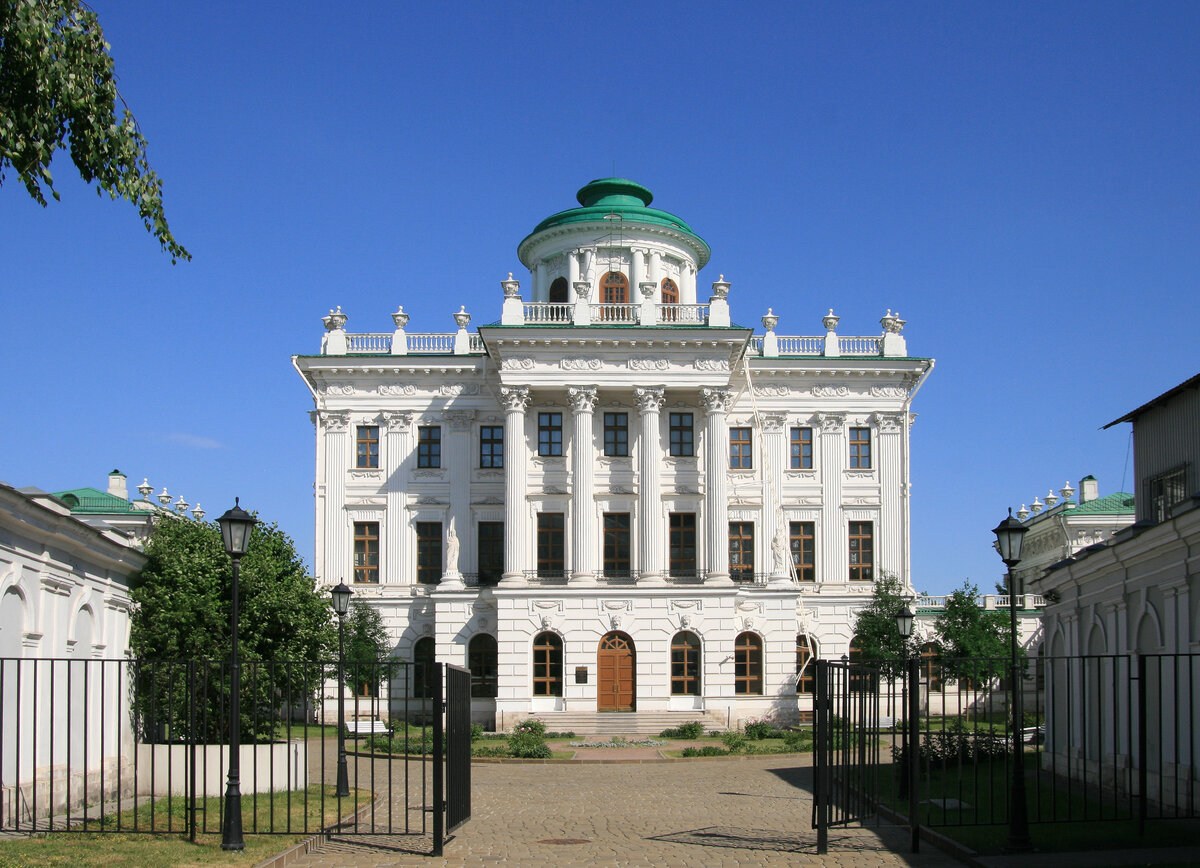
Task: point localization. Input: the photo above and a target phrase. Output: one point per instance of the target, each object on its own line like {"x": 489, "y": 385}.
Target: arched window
{"x": 558, "y": 291}
{"x": 423, "y": 669}
{"x": 685, "y": 664}
{"x": 931, "y": 666}
{"x": 806, "y": 672}
{"x": 547, "y": 665}
{"x": 747, "y": 665}
{"x": 481, "y": 660}
{"x": 670, "y": 292}
{"x": 614, "y": 288}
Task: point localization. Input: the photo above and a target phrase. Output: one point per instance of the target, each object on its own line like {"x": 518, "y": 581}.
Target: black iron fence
{"x": 1102, "y": 738}
{"x": 142, "y": 746}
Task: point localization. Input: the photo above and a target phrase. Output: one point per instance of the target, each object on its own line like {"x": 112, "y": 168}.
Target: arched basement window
{"x": 481, "y": 660}
{"x": 747, "y": 665}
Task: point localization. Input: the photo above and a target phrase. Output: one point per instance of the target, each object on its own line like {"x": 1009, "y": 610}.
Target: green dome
{"x": 614, "y": 199}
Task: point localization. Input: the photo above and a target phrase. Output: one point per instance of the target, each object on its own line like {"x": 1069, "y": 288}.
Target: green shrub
{"x": 528, "y": 740}
{"x": 735, "y": 741}
{"x": 489, "y": 750}
{"x": 476, "y": 731}
{"x": 707, "y": 750}
{"x": 566, "y": 734}
{"x": 798, "y": 740}
{"x": 531, "y": 724}
{"x": 760, "y": 729}
{"x": 692, "y": 730}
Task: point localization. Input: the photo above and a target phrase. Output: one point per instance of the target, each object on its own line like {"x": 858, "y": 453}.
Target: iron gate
{"x": 136, "y": 746}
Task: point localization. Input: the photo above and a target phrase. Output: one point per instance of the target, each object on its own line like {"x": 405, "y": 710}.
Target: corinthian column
{"x": 650, "y": 525}
{"x": 583, "y": 525}
{"x": 516, "y": 459}
{"x": 716, "y": 497}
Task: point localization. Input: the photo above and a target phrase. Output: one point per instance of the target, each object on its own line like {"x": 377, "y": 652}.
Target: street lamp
{"x": 911, "y": 766}
{"x": 1009, "y": 535}
{"x": 236, "y": 525}
{"x": 341, "y": 604}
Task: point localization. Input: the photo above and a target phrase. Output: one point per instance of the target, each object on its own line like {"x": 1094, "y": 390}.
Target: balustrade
{"x": 428, "y": 342}
{"x": 858, "y": 346}
{"x": 369, "y": 344}
{"x": 546, "y": 313}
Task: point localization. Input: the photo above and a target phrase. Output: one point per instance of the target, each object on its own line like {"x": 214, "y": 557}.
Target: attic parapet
{"x": 339, "y": 342}
{"x": 889, "y": 345}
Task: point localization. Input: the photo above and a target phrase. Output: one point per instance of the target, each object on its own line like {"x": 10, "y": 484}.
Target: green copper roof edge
{"x": 633, "y": 214}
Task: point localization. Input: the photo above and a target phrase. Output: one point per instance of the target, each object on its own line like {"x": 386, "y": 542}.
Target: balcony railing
{"x": 985, "y": 601}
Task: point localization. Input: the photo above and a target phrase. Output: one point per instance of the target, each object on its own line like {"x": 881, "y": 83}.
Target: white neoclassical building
{"x": 615, "y": 497}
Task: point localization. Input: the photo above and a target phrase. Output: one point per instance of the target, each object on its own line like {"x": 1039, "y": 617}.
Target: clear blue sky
{"x": 1019, "y": 180}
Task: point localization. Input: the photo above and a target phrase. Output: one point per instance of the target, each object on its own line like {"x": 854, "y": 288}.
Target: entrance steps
{"x": 627, "y": 723}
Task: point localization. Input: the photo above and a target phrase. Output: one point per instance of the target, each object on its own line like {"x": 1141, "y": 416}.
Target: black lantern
{"x": 904, "y": 622}
{"x": 341, "y": 604}
{"x": 236, "y": 525}
{"x": 341, "y": 598}
{"x": 1009, "y": 535}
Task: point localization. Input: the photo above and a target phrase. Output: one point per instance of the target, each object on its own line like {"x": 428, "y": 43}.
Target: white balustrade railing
{"x": 545, "y": 312}
{"x": 682, "y": 314}
{"x": 427, "y": 342}
{"x": 858, "y": 346}
{"x": 756, "y": 342}
{"x": 476, "y": 344}
{"x": 369, "y": 343}
{"x": 615, "y": 313}
{"x": 985, "y": 601}
{"x": 801, "y": 345}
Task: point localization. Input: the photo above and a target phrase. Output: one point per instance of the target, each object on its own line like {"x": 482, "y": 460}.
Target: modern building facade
{"x": 614, "y": 498}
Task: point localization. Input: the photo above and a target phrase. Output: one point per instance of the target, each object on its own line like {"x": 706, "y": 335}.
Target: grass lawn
{"x": 171, "y": 850}
{"x": 306, "y": 730}
{"x": 755, "y": 746}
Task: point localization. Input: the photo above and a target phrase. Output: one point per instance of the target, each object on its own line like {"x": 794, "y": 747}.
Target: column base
{"x": 514, "y": 580}
{"x": 651, "y": 580}
{"x": 582, "y": 580}
{"x": 721, "y": 579}
{"x": 452, "y": 582}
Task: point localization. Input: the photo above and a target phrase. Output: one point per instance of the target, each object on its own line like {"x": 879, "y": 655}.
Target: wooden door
{"x": 615, "y": 686}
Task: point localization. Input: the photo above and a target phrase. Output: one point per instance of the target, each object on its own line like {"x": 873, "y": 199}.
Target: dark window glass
{"x": 482, "y": 661}
{"x": 366, "y": 552}
{"x": 490, "y": 563}
{"x": 685, "y": 664}
{"x": 550, "y": 544}
{"x": 803, "y": 545}
{"x": 616, "y": 434}
{"x": 550, "y": 434}
{"x": 366, "y": 446}
{"x": 860, "y": 448}
{"x": 491, "y": 446}
{"x": 747, "y": 665}
{"x": 429, "y": 552}
{"x": 741, "y": 551}
{"x": 862, "y": 551}
{"x": 802, "y": 449}
{"x": 547, "y": 665}
{"x": 616, "y": 543}
{"x": 931, "y": 666}
{"x": 739, "y": 449}
{"x": 429, "y": 446}
{"x": 682, "y": 543}
{"x": 423, "y": 668}
{"x": 558, "y": 291}
{"x": 806, "y": 681}
{"x": 681, "y": 437}
{"x": 670, "y": 292}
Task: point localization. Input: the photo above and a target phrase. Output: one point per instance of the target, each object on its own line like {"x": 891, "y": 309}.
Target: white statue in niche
{"x": 451, "y": 552}
{"x": 780, "y": 553}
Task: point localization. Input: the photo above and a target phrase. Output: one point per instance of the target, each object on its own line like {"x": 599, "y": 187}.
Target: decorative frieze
{"x": 648, "y": 364}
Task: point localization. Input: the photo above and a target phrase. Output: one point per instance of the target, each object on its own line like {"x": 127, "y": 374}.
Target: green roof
{"x": 1117, "y": 503}
{"x": 93, "y": 500}
{"x": 618, "y": 200}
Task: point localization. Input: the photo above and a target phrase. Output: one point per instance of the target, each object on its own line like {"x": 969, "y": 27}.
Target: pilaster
{"x": 335, "y": 426}
{"x": 516, "y": 512}
{"x": 459, "y": 515}
{"x": 890, "y": 536}
{"x": 650, "y": 521}
{"x": 397, "y": 449}
{"x": 835, "y": 559}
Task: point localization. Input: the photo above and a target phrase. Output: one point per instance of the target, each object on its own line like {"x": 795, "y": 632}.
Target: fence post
{"x": 821, "y": 772}
{"x": 912, "y": 751}
{"x": 1142, "y": 759}
{"x": 192, "y": 750}
{"x": 438, "y": 760}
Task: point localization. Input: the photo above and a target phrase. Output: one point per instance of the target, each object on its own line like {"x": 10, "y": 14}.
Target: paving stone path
{"x": 736, "y": 812}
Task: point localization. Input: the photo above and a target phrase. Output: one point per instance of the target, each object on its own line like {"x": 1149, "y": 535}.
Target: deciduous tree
{"x": 57, "y": 89}
{"x": 875, "y": 627}
{"x": 973, "y": 642}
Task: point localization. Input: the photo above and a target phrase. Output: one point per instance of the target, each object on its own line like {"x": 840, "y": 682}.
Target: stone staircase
{"x": 609, "y": 723}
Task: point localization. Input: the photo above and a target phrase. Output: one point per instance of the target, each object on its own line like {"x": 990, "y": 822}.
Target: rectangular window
{"x": 616, "y": 544}
{"x": 1164, "y": 491}
{"x": 860, "y": 448}
{"x": 429, "y": 552}
{"x": 803, "y": 545}
{"x": 429, "y": 446}
{"x": 685, "y": 665}
{"x": 801, "y": 449}
{"x": 862, "y": 551}
{"x": 616, "y": 434}
{"x": 491, "y": 446}
{"x": 366, "y": 446}
{"x": 681, "y": 436}
{"x": 366, "y": 552}
{"x": 551, "y": 552}
{"x": 550, "y": 434}
{"x": 682, "y": 544}
{"x": 490, "y": 559}
{"x": 739, "y": 449}
{"x": 741, "y": 551}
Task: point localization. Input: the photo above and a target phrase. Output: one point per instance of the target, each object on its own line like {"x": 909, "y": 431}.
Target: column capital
{"x": 582, "y": 398}
{"x": 397, "y": 420}
{"x": 514, "y": 398}
{"x": 650, "y": 398}
{"x": 831, "y": 422}
{"x": 773, "y": 422}
{"x": 716, "y": 400}
{"x": 335, "y": 420}
{"x": 890, "y": 423}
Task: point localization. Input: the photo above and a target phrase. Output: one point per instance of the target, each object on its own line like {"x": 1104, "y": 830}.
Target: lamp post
{"x": 911, "y": 766}
{"x": 236, "y": 525}
{"x": 341, "y": 604}
{"x": 1009, "y": 535}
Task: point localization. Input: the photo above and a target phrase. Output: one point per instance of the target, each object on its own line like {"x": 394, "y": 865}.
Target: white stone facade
{"x": 604, "y": 429}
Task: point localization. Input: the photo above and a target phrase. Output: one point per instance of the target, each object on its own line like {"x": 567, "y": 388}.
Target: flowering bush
{"x": 528, "y": 740}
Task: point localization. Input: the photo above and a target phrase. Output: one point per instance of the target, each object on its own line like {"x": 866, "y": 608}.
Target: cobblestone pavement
{"x": 747, "y": 812}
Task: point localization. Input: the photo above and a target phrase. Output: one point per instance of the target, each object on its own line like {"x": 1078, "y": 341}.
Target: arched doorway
{"x": 616, "y": 686}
